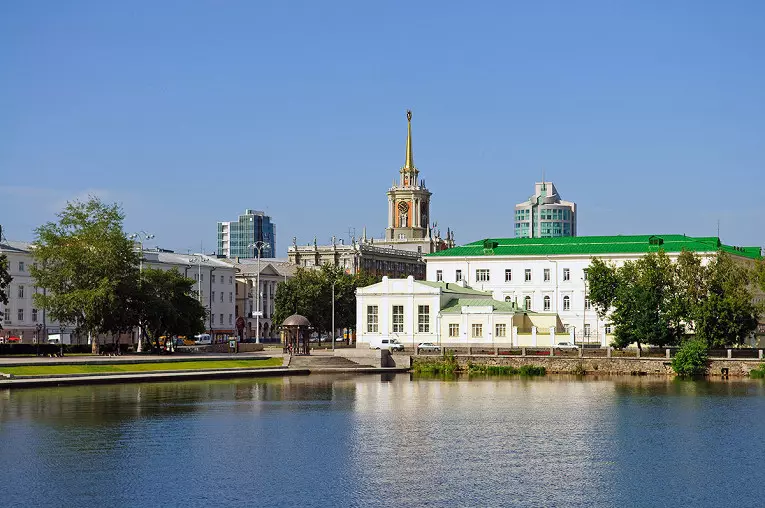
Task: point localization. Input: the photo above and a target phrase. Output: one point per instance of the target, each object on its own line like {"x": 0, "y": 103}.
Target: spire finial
{"x": 409, "y": 158}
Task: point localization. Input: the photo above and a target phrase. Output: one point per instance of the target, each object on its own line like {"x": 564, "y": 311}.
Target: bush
{"x": 691, "y": 359}
{"x": 532, "y": 370}
{"x": 758, "y": 373}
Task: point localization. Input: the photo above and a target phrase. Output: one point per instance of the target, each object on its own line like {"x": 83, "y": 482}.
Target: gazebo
{"x": 296, "y": 333}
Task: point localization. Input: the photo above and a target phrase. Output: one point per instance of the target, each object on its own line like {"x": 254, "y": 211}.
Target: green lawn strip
{"x": 51, "y": 370}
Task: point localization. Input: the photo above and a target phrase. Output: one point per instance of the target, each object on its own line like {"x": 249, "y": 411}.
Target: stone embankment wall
{"x": 618, "y": 365}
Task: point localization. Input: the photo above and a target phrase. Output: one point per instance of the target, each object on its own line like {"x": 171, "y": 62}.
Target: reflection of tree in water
{"x": 659, "y": 386}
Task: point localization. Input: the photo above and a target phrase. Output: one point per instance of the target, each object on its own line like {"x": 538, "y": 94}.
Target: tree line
{"x": 89, "y": 270}
{"x": 657, "y": 302}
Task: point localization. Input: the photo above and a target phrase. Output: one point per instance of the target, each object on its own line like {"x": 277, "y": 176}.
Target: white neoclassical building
{"x": 550, "y": 274}
{"x": 446, "y": 314}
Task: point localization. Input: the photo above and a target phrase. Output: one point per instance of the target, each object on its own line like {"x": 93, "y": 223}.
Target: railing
{"x": 650, "y": 353}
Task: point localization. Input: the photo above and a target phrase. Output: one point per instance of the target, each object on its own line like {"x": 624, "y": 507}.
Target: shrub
{"x": 691, "y": 359}
{"x": 758, "y": 373}
{"x": 532, "y": 370}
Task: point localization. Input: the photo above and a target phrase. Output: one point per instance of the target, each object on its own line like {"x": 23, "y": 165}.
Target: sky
{"x": 650, "y": 115}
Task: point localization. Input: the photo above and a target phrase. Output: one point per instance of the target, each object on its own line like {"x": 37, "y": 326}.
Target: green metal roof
{"x": 451, "y": 287}
{"x": 594, "y": 245}
{"x": 454, "y": 306}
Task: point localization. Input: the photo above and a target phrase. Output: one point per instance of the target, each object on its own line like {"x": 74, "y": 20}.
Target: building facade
{"x": 550, "y": 274}
{"x": 236, "y": 239}
{"x": 545, "y": 215}
{"x": 445, "y": 314}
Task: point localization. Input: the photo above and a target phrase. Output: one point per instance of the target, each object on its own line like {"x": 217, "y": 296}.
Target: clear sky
{"x": 649, "y": 114}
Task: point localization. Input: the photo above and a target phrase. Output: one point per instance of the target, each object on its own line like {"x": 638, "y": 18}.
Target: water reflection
{"x": 385, "y": 440}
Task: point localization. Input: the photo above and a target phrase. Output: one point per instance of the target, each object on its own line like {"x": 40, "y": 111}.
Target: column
{"x": 534, "y": 335}
{"x": 513, "y": 336}
{"x": 552, "y": 335}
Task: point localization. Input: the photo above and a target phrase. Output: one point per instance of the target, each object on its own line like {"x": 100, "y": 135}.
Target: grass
{"x": 124, "y": 368}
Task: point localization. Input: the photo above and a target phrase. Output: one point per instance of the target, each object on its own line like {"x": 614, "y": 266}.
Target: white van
{"x": 386, "y": 343}
{"x": 203, "y": 339}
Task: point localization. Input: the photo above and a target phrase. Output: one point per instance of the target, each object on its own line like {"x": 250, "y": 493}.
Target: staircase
{"x": 324, "y": 362}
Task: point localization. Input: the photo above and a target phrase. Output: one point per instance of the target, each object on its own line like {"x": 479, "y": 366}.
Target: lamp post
{"x": 333, "y": 315}
{"x": 38, "y": 329}
{"x": 258, "y": 246}
{"x": 584, "y": 312}
{"x": 141, "y": 236}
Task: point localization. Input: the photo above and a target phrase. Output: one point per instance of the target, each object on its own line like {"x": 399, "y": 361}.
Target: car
{"x": 203, "y": 339}
{"x": 428, "y": 346}
{"x": 566, "y": 345}
{"x": 390, "y": 344}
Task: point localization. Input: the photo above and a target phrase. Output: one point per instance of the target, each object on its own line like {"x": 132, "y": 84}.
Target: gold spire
{"x": 409, "y": 158}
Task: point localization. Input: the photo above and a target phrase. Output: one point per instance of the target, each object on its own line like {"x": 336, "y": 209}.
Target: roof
{"x": 451, "y": 287}
{"x": 250, "y": 266}
{"x": 15, "y": 246}
{"x": 454, "y": 306}
{"x": 296, "y": 320}
{"x": 594, "y": 245}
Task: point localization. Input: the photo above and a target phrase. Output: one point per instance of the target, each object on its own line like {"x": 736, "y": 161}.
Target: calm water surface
{"x": 390, "y": 441}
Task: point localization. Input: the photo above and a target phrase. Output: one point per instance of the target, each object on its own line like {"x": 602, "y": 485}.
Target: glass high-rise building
{"x": 235, "y": 239}
{"x": 545, "y": 215}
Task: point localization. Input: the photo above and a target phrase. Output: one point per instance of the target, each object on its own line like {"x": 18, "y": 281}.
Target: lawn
{"x": 51, "y": 370}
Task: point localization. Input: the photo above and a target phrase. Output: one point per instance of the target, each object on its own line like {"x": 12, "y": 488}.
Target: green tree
{"x": 692, "y": 286}
{"x": 168, "y": 306}
{"x": 603, "y": 282}
{"x": 726, "y": 314}
{"x": 85, "y": 262}
{"x": 5, "y": 280}
{"x": 691, "y": 359}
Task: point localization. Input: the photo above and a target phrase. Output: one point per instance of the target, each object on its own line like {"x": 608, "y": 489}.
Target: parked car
{"x": 203, "y": 339}
{"x": 566, "y": 345}
{"x": 428, "y": 346}
{"x": 390, "y": 344}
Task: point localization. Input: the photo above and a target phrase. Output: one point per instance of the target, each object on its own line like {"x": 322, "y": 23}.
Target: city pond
{"x": 390, "y": 440}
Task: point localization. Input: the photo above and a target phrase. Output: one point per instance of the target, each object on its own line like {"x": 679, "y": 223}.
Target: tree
{"x": 309, "y": 293}
{"x": 603, "y": 282}
{"x": 168, "y": 306}
{"x": 86, "y": 263}
{"x": 5, "y": 280}
{"x": 727, "y": 314}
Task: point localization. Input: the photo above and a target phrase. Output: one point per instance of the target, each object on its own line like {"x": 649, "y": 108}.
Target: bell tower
{"x": 408, "y": 200}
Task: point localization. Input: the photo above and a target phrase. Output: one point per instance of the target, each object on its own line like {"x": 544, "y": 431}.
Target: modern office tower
{"x": 242, "y": 238}
{"x": 545, "y": 215}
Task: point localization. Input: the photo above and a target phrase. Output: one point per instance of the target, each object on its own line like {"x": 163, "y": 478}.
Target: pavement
{"x": 11, "y": 361}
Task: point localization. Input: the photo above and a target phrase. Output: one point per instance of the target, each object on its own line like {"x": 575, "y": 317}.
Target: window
{"x": 439, "y": 275}
{"x": 566, "y": 303}
{"x": 212, "y": 319}
{"x": 230, "y": 297}
{"x": 454, "y": 330}
{"x": 608, "y": 328}
{"x": 587, "y": 304}
{"x": 458, "y": 275}
{"x": 212, "y": 296}
{"x": 566, "y": 274}
{"x": 221, "y": 319}
{"x": 372, "y": 318}
{"x": 21, "y": 315}
{"x": 477, "y": 329}
{"x": 585, "y": 273}
{"x": 21, "y": 291}
{"x": 508, "y": 275}
{"x": 34, "y": 315}
{"x": 527, "y": 274}
{"x": 202, "y": 277}
{"x": 547, "y": 275}
{"x": 482, "y": 275}
{"x": 527, "y": 302}
{"x": 230, "y": 279}
{"x": 500, "y": 330}
{"x": 230, "y": 319}
{"x": 567, "y": 328}
{"x": 7, "y": 316}
{"x": 21, "y": 266}
{"x": 587, "y": 329}
{"x": 221, "y": 297}
{"x": 423, "y": 318}
{"x": 212, "y": 278}
{"x": 398, "y": 319}
{"x": 546, "y": 303}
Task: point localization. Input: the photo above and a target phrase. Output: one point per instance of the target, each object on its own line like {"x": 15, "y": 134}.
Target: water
{"x": 390, "y": 441}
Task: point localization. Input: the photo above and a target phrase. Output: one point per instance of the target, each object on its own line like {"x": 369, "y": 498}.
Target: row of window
{"x": 200, "y": 277}
{"x": 230, "y": 319}
{"x": 19, "y": 316}
{"x": 476, "y": 330}
{"x": 547, "y": 301}
{"x": 397, "y": 312}
{"x": 230, "y": 297}
{"x": 483, "y": 275}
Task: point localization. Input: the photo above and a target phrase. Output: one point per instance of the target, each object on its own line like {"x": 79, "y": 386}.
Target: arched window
{"x": 527, "y": 302}
{"x": 547, "y": 303}
{"x": 566, "y": 303}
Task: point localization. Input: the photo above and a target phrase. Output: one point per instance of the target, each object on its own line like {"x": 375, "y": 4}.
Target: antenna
{"x": 351, "y": 233}
{"x": 718, "y": 228}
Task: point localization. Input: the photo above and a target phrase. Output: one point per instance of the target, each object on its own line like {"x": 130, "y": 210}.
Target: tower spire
{"x": 409, "y": 158}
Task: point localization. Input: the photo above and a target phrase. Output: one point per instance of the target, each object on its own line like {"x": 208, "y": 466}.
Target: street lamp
{"x": 333, "y": 315}
{"x": 38, "y": 329}
{"x": 141, "y": 236}
{"x": 258, "y": 246}
{"x": 584, "y": 312}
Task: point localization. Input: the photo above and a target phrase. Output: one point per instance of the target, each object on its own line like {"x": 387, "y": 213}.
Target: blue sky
{"x": 650, "y": 115}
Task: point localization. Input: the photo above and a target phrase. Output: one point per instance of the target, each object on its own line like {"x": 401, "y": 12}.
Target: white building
{"x": 215, "y": 285}
{"x": 413, "y": 312}
{"x": 549, "y": 274}
{"x": 250, "y": 300}
{"x": 20, "y": 316}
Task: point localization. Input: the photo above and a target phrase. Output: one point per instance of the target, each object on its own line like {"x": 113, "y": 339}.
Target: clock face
{"x": 403, "y": 207}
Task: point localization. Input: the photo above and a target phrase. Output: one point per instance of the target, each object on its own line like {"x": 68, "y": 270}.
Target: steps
{"x": 316, "y": 362}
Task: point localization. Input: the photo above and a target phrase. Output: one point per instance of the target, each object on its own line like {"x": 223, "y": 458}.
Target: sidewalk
{"x": 11, "y": 361}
